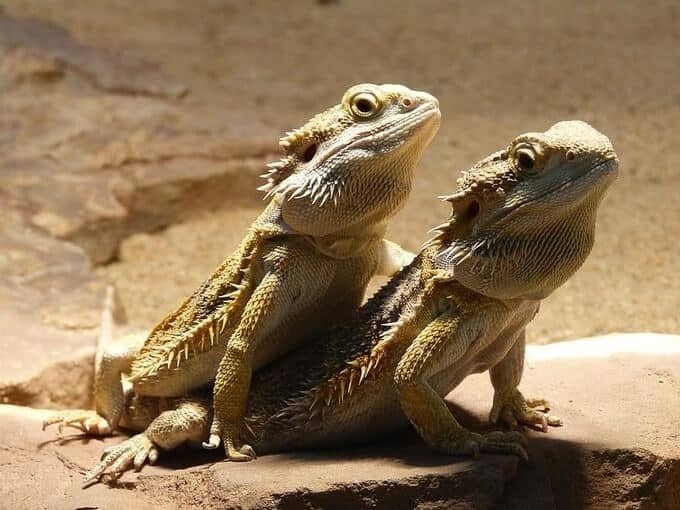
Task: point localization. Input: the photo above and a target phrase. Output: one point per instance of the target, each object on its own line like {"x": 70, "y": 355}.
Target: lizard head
{"x": 350, "y": 168}
{"x": 523, "y": 219}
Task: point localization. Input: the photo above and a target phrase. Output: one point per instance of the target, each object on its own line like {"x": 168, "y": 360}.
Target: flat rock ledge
{"x": 619, "y": 448}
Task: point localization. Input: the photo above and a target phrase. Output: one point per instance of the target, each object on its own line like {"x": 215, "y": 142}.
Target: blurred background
{"x": 134, "y": 132}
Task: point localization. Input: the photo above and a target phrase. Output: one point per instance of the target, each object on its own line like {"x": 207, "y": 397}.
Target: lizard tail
{"x": 105, "y": 326}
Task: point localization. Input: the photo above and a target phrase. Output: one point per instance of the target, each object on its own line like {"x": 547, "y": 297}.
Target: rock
{"x": 94, "y": 147}
{"x": 45, "y": 50}
{"x": 50, "y": 305}
{"x": 618, "y": 448}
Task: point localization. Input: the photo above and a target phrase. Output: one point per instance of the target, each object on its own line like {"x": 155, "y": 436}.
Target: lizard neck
{"x": 349, "y": 243}
{"x": 346, "y": 243}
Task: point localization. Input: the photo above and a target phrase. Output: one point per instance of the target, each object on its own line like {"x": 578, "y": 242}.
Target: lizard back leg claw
{"x": 503, "y": 442}
{"x": 132, "y": 453}
{"x": 88, "y": 422}
{"x": 473, "y": 444}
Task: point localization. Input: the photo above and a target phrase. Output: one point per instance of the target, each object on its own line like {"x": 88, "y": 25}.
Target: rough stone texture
{"x": 94, "y": 146}
{"x": 499, "y": 68}
{"x": 619, "y": 448}
{"x": 151, "y": 115}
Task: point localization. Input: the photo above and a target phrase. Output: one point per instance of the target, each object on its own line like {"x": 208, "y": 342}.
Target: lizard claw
{"x": 212, "y": 443}
{"x": 504, "y": 442}
{"x": 514, "y": 410}
{"x": 132, "y": 453}
{"x": 244, "y": 454}
{"x": 88, "y": 422}
{"x": 246, "y": 449}
{"x": 234, "y": 449}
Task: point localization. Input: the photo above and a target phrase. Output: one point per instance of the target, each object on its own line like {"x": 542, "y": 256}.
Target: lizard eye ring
{"x": 365, "y": 105}
{"x": 525, "y": 158}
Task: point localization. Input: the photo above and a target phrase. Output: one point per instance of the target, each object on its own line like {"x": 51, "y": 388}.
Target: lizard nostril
{"x": 406, "y": 102}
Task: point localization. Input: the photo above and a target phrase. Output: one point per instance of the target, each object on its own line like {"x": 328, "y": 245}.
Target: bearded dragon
{"x": 303, "y": 265}
{"x": 522, "y": 222}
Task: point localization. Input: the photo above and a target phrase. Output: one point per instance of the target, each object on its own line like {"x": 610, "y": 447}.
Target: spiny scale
{"x": 204, "y": 335}
{"x": 347, "y": 380}
{"x": 277, "y": 173}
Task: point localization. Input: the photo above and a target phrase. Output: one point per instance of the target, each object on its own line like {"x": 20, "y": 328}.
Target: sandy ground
{"x": 498, "y": 68}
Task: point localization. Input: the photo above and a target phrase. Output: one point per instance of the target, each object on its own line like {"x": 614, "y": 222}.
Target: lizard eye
{"x": 365, "y": 105}
{"x": 525, "y": 159}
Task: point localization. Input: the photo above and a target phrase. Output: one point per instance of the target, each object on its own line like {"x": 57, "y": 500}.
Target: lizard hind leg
{"x": 110, "y": 396}
{"x": 112, "y": 359}
{"x": 186, "y": 421}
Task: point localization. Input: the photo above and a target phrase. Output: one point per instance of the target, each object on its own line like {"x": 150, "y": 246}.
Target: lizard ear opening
{"x": 460, "y": 224}
{"x": 308, "y": 153}
{"x": 465, "y": 212}
{"x": 471, "y": 210}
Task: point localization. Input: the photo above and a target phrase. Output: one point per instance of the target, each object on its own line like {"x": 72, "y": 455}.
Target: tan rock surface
{"x": 94, "y": 146}
{"x": 120, "y": 119}
{"x": 499, "y": 68}
{"x": 618, "y": 448}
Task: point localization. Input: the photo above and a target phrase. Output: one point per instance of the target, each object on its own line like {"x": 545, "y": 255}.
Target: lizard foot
{"x": 117, "y": 459}
{"x": 514, "y": 410}
{"x": 242, "y": 453}
{"x": 88, "y": 422}
{"x": 472, "y": 444}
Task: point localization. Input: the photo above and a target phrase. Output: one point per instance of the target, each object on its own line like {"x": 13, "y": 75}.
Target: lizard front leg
{"x": 441, "y": 343}
{"x": 509, "y": 405}
{"x": 291, "y": 287}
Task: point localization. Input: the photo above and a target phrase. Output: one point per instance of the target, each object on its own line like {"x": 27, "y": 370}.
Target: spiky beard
{"x": 318, "y": 187}
{"x": 485, "y": 255}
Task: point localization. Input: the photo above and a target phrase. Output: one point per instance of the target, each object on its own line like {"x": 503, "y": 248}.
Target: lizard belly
{"x": 301, "y": 323}
{"x": 374, "y": 409}
{"x": 313, "y": 322}
{"x": 486, "y": 351}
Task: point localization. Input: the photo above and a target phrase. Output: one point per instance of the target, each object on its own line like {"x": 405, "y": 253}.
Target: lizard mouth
{"x": 401, "y": 127}
{"x": 321, "y": 184}
{"x": 607, "y": 166}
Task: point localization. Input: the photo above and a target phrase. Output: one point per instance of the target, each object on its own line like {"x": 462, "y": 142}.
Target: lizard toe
{"x": 86, "y": 421}
{"x": 132, "y": 453}
{"x": 515, "y": 410}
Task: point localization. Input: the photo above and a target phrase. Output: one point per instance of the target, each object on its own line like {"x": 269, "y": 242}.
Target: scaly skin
{"x": 303, "y": 265}
{"x": 523, "y": 222}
